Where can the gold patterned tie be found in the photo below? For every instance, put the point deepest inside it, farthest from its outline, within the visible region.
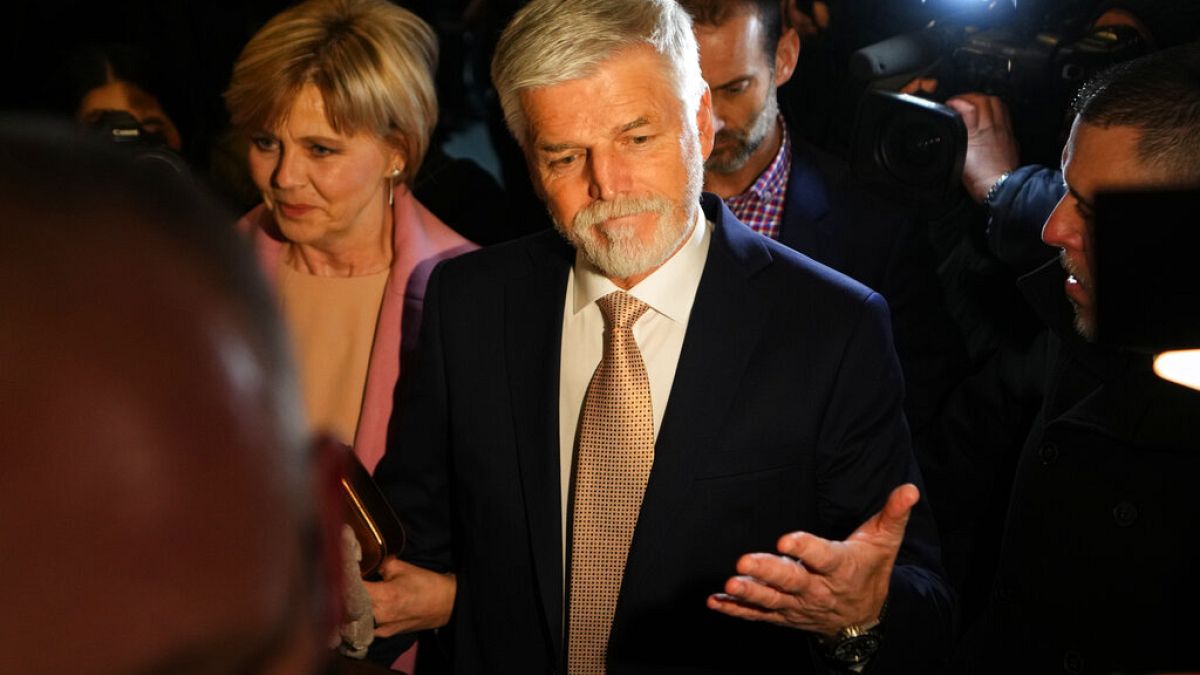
(616, 451)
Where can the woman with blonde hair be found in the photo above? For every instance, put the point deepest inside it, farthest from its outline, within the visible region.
(336, 100)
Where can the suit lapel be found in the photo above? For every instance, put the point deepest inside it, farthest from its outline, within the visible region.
(726, 322)
(805, 206)
(533, 333)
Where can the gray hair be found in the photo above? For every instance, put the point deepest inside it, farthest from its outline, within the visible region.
(554, 41)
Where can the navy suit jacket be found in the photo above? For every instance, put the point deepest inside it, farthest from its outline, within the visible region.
(829, 217)
(785, 414)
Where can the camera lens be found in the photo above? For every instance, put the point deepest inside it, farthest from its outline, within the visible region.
(914, 150)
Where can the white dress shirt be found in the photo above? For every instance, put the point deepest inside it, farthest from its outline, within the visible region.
(670, 292)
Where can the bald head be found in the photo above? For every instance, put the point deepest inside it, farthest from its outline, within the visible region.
(156, 507)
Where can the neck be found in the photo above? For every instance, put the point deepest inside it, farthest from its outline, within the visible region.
(726, 185)
(361, 252)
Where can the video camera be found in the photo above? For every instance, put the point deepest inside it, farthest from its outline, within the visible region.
(1035, 56)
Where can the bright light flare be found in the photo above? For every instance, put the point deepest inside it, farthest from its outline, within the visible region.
(1180, 366)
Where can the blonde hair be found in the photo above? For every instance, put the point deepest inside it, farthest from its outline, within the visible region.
(550, 42)
(372, 61)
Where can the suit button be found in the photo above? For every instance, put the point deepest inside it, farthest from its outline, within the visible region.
(1073, 662)
(1124, 514)
(1048, 453)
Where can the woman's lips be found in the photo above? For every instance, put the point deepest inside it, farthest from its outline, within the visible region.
(293, 210)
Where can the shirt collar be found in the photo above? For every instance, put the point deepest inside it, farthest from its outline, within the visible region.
(670, 290)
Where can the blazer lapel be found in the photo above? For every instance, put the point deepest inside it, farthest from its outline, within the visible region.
(726, 322)
(533, 335)
(805, 207)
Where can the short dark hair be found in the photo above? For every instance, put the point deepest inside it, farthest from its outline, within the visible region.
(1157, 94)
(717, 12)
(92, 65)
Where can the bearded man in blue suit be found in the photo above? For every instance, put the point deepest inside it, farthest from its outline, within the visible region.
(786, 188)
(778, 523)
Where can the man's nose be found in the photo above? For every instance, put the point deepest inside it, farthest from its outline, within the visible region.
(609, 175)
(1063, 229)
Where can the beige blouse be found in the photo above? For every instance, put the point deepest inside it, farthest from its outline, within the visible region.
(332, 325)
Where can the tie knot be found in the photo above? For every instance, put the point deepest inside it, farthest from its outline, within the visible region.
(621, 309)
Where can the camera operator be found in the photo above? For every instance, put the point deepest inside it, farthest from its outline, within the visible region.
(1096, 570)
(1018, 199)
(971, 455)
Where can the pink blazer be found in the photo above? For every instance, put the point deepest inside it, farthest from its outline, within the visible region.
(420, 241)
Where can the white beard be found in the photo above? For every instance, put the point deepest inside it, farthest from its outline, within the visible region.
(616, 250)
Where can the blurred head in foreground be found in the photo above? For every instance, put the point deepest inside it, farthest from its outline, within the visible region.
(158, 499)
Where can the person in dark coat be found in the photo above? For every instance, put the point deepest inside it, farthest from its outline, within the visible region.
(1097, 563)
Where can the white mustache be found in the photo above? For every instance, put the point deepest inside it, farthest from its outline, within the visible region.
(600, 211)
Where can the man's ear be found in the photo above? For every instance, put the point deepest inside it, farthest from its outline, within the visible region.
(705, 124)
(787, 51)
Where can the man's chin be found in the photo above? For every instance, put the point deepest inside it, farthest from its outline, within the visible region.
(1085, 324)
(724, 163)
(617, 264)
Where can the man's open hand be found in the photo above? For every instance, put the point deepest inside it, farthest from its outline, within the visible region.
(819, 585)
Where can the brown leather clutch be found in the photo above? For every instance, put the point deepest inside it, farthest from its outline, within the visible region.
(369, 514)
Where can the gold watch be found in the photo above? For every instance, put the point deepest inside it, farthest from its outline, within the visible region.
(856, 644)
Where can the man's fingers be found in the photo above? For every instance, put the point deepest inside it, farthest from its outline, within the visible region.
(753, 592)
(391, 567)
(893, 519)
(819, 555)
(967, 110)
(779, 586)
(777, 571)
(920, 85)
(727, 604)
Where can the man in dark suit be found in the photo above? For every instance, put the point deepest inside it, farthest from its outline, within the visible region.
(1097, 565)
(791, 191)
(758, 405)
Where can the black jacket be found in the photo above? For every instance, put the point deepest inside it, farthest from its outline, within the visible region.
(1098, 564)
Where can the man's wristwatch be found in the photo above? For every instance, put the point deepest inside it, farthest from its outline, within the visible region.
(855, 645)
(993, 191)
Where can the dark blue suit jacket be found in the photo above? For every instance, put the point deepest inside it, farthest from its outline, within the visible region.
(785, 414)
(835, 221)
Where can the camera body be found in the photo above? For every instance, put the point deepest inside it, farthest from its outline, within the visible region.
(1035, 61)
(1036, 74)
(121, 128)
